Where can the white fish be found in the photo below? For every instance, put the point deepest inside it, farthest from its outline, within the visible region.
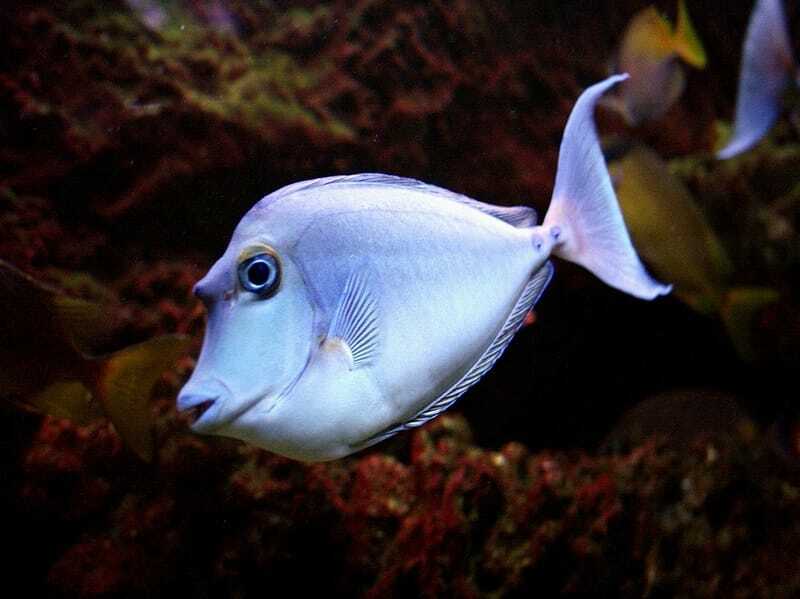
(768, 66)
(350, 308)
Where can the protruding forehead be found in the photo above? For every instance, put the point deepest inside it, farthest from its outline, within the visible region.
(277, 219)
(256, 227)
(253, 229)
(217, 280)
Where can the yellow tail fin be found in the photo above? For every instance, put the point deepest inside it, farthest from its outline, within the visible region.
(126, 381)
(687, 44)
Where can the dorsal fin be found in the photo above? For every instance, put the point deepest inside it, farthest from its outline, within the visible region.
(516, 216)
(356, 319)
(530, 295)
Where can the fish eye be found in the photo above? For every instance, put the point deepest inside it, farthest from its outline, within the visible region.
(260, 274)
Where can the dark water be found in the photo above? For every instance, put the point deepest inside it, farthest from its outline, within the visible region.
(135, 135)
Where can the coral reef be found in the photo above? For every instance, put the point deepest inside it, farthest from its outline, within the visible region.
(132, 147)
(440, 518)
(384, 86)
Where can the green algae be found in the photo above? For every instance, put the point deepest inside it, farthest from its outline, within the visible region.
(263, 90)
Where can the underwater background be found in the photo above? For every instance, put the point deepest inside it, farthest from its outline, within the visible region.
(619, 447)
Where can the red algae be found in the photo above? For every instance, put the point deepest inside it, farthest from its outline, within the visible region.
(449, 518)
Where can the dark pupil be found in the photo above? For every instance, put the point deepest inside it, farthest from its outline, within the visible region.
(258, 273)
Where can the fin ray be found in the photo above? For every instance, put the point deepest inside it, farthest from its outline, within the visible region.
(37, 305)
(355, 321)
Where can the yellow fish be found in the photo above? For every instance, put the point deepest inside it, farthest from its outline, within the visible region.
(45, 337)
(649, 52)
(674, 238)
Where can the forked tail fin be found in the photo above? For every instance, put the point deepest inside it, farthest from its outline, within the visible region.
(767, 65)
(584, 217)
(125, 383)
(686, 41)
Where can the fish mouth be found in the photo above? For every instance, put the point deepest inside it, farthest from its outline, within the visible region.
(195, 413)
(210, 406)
(201, 411)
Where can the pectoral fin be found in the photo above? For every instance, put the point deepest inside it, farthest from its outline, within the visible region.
(354, 327)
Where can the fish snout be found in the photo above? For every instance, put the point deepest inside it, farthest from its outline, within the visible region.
(202, 401)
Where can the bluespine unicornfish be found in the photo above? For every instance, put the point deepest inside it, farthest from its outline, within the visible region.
(651, 52)
(768, 67)
(46, 362)
(350, 308)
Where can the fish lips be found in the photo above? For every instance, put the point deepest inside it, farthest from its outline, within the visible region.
(203, 402)
(211, 405)
(202, 411)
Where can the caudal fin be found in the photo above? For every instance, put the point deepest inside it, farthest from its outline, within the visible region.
(686, 42)
(126, 381)
(767, 65)
(584, 217)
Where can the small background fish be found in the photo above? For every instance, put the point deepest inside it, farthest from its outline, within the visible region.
(46, 339)
(651, 51)
(681, 246)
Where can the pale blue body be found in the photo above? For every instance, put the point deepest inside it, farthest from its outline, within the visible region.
(395, 297)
